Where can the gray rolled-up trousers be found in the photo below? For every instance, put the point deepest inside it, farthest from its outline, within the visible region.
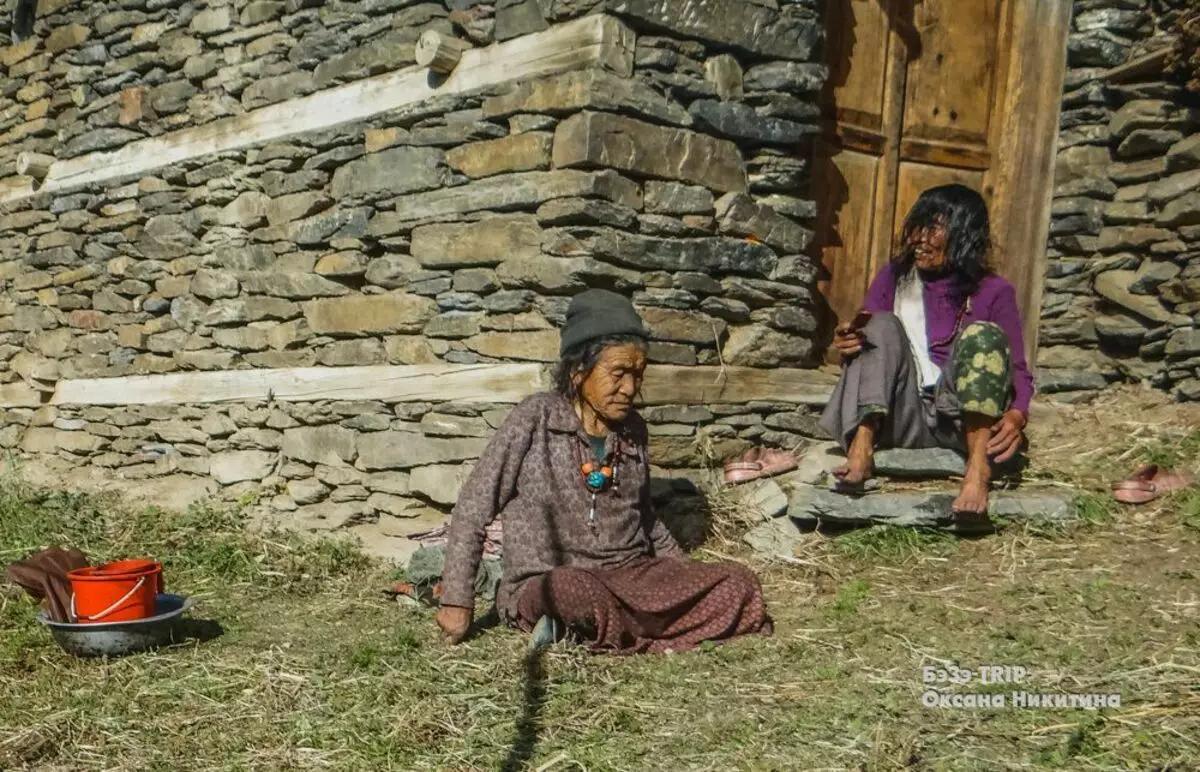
(884, 377)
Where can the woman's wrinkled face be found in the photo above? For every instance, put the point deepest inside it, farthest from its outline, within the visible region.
(929, 248)
(609, 389)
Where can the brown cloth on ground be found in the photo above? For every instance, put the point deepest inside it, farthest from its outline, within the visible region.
(43, 576)
(654, 605)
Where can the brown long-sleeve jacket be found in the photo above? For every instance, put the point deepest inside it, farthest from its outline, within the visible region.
(529, 475)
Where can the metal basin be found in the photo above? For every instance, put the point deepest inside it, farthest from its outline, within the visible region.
(115, 639)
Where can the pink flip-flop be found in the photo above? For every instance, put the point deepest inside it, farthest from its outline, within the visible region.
(1148, 483)
(759, 463)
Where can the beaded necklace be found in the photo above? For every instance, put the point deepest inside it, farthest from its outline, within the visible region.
(597, 477)
(958, 320)
(963, 310)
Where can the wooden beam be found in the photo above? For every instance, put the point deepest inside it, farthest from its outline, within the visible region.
(411, 383)
(488, 383)
(591, 41)
(700, 385)
(1023, 174)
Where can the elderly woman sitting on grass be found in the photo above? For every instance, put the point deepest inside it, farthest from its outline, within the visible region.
(568, 473)
(936, 358)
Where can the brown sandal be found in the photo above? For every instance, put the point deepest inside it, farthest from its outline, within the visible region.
(1148, 483)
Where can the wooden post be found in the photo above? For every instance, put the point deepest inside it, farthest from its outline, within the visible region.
(36, 165)
(439, 53)
(1023, 173)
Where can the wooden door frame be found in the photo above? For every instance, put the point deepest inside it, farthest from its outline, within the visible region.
(895, 75)
(1021, 177)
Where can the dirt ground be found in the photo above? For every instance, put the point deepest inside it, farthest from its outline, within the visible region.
(315, 669)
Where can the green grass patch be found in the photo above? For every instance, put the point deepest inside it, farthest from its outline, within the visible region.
(1171, 452)
(892, 544)
(1188, 505)
(316, 670)
(1093, 509)
(850, 597)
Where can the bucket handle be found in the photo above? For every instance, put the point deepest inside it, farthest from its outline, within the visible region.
(110, 609)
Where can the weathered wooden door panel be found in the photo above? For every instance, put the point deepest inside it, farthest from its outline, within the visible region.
(847, 179)
(857, 39)
(950, 86)
(915, 178)
(856, 164)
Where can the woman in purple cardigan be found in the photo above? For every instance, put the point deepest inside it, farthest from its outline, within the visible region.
(940, 360)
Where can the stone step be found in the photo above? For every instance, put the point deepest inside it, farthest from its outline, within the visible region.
(808, 507)
(931, 462)
(929, 509)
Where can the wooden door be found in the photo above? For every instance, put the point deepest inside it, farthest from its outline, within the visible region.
(922, 93)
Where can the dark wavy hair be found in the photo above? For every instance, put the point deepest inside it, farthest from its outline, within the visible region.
(583, 357)
(964, 214)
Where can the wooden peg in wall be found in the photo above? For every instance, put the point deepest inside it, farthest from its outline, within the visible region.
(36, 165)
(439, 52)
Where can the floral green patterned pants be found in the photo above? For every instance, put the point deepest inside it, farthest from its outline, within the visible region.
(882, 381)
(982, 369)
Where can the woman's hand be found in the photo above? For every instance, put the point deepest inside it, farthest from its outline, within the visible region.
(454, 621)
(848, 340)
(1006, 436)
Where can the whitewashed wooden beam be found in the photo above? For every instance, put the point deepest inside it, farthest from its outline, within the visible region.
(591, 41)
(487, 383)
(407, 383)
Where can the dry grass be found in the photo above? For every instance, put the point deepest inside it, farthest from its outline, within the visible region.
(315, 670)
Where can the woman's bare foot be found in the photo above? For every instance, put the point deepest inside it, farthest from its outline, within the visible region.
(973, 495)
(860, 458)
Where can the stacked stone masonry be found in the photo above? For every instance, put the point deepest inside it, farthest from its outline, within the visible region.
(454, 230)
(1122, 294)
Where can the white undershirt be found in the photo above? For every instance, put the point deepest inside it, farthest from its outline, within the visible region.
(910, 309)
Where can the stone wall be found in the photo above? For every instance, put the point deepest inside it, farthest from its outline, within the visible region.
(1123, 280)
(451, 231)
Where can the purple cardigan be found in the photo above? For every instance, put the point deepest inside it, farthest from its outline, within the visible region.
(994, 301)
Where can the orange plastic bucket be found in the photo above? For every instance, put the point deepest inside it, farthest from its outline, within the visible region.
(121, 591)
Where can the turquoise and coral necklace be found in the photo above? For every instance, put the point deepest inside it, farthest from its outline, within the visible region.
(598, 476)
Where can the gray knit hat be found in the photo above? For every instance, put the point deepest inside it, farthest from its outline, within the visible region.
(599, 313)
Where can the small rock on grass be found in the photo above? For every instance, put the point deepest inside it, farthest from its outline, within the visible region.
(762, 496)
(776, 538)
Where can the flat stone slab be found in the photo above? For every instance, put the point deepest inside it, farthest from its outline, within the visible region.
(924, 463)
(814, 505)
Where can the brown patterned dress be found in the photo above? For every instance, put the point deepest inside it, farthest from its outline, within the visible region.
(620, 578)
